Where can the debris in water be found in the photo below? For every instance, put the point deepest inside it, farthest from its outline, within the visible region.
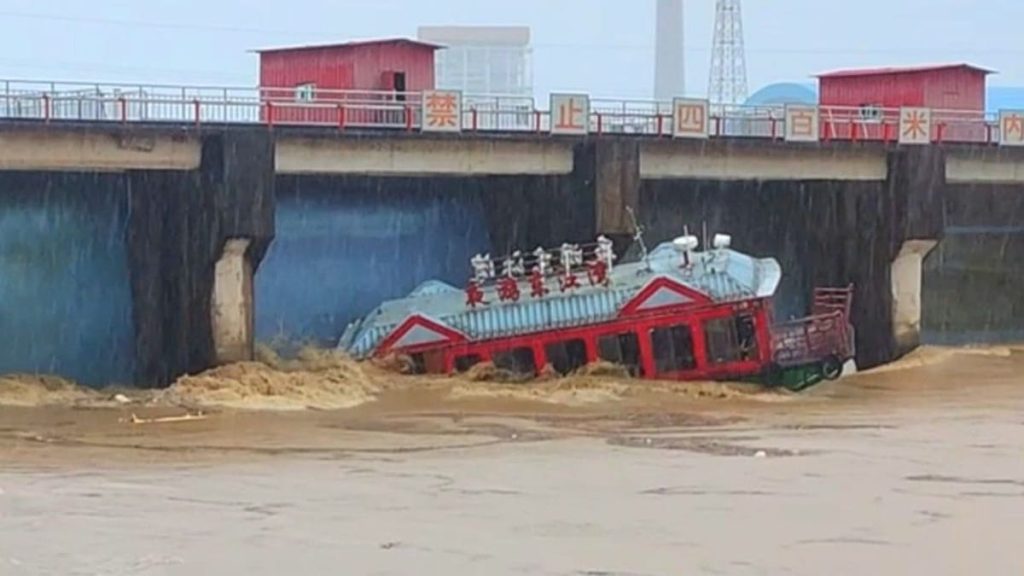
(761, 454)
(167, 419)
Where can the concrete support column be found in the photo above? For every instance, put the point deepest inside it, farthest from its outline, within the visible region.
(617, 185)
(231, 309)
(906, 293)
(917, 185)
(238, 170)
(194, 242)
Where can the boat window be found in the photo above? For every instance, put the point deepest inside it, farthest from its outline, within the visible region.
(567, 357)
(673, 349)
(622, 349)
(517, 361)
(731, 339)
(431, 362)
(464, 363)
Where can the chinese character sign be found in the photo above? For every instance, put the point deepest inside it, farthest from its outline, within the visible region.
(508, 289)
(915, 126)
(483, 268)
(690, 118)
(605, 251)
(571, 257)
(570, 114)
(514, 266)
(474, 295)
(543, 265)
(442, 111)
(1011, 127)
(537, 284)
(802, 124)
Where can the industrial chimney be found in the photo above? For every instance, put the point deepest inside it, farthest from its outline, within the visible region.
(669, 67)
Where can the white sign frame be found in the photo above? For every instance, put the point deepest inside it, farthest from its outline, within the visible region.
(1005, 116)
(558, 102)
(426, 116)
(792, 110)
(907, 115)
(679, 104)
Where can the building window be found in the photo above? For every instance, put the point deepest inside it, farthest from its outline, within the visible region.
(621, 349)
(567, 357)
(518, 361)
(870, 113)
(673, 349)
(305, 92)
(731, 339)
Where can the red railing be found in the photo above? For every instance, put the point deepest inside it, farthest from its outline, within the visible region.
(343, 110)
(812, 339)
(826, 332)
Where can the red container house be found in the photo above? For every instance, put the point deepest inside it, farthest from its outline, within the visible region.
(375, 78)
(954, 92)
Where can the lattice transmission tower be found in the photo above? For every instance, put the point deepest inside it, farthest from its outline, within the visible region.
(728, 82)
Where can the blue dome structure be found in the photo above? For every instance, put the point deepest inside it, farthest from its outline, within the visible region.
(784, 93)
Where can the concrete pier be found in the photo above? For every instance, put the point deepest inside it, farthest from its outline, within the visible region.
(927, 235)
(195, 239)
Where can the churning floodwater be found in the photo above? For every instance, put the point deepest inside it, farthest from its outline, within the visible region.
(914, 468)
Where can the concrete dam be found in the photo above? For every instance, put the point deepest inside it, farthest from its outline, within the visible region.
(135, 254)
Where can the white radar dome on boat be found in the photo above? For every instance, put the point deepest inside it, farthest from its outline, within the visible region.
(722, 241)
(686, 243)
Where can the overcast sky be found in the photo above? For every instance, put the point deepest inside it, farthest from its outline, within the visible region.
(604, 47)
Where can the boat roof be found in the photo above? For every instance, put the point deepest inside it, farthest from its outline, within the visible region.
(720, 275)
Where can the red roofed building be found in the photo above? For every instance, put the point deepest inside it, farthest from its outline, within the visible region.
(941, 87)
(291, 77)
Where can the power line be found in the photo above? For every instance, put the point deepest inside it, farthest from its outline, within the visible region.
(648, 48)
(116, 68)
(141, 23)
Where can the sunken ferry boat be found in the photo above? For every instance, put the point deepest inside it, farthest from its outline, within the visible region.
(679, 312)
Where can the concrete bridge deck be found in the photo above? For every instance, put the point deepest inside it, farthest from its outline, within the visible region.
(112, 146)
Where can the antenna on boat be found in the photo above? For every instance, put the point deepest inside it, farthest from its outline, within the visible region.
(704, 234)
(638, 237)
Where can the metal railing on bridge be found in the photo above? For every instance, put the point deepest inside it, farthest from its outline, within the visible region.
(455, 112)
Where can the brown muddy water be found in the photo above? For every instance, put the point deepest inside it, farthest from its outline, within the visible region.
(326, 467)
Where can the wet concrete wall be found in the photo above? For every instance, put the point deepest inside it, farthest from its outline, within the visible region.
(822, 233)
(972, 280)
(65, 302)
(345, 243)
